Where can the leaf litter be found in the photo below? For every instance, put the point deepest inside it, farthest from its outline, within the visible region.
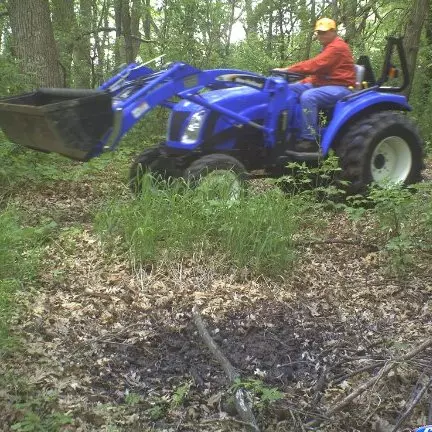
(117, 342)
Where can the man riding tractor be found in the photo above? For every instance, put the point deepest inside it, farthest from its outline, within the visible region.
(330, 74)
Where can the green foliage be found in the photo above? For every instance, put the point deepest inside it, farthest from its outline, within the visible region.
(251, 55)
(180, 394)
(22, 167)
(40, 414)
(12, 81)
(150, 131)
(133, 399)
(177, 222)
(264, 395)
(157, 411)
(402, 220)
(320, 183)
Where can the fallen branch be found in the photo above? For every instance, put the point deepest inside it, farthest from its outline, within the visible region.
(344, 377)
(413, 404)
(241, 396)
(372, 381)
(371, 247)
(319, 387)
(429, 417)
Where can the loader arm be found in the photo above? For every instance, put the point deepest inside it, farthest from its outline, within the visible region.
(82, 124)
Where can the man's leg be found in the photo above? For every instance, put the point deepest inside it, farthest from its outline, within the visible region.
(314, 99)
(299, 87)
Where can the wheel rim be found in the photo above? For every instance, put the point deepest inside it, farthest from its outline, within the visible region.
(221, 186)
(391, 161)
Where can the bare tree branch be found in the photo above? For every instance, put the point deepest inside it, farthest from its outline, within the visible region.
(413, 404)
(110, 29)
(373, 380)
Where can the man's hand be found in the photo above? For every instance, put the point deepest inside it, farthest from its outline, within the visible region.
(280, 69)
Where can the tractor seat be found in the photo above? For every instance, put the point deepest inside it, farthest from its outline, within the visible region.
(359, 76)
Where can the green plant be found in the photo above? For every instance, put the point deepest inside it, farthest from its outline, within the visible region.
(264, 395)
(402, 221)
(320, 183)
(39, 414)
(26, 167)
(133, 399)
(156, 412)
(180, 394)
(175, 222)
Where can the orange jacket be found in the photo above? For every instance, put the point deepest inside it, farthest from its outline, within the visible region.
(334, 65)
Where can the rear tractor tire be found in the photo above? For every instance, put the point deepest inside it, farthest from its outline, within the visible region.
(218, 176)
(384, 148)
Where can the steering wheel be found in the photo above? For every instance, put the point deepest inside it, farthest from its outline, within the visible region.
(154, 60)
(289, 76)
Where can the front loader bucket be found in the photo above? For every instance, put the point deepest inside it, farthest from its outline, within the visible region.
(70, 122)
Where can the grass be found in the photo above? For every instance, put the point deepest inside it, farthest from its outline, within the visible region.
(178, 222)
(19, 259)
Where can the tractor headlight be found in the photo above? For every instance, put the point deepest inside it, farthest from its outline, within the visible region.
(192, 129)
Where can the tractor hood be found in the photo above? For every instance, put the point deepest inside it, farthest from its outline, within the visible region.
(246, 101)
(235, 98)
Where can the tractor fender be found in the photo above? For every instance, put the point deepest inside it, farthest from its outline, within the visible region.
(348, 110)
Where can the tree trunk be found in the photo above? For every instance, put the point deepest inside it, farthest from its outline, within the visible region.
(149, 26)
(309, 39)
(270, 33)
(412, 36)
(118, 47)
(230, 26)
(136, 14)
(100, 20)
(64, 23)
(349, 21)
(251, 28)
(34, 43)
(127, 31)
(82, 55)
(147, 20)
(428, 69)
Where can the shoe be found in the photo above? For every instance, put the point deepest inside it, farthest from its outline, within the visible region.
(306, 146)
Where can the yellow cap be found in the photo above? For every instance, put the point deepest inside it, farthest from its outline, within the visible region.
(325, 24)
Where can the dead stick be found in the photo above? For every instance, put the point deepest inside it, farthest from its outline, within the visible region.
(383, 372)
(429, 417)
(412, 405)
(241, 395)
(344, 377)
(336, 241)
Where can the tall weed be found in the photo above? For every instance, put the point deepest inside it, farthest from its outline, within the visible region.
(176, 222)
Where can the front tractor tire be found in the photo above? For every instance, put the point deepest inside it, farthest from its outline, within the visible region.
(383, 148)
(218, 176)
(150, 161)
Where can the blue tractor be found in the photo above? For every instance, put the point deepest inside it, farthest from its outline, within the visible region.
(226, 121)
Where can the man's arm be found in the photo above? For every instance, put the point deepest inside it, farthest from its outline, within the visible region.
(319, 63)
